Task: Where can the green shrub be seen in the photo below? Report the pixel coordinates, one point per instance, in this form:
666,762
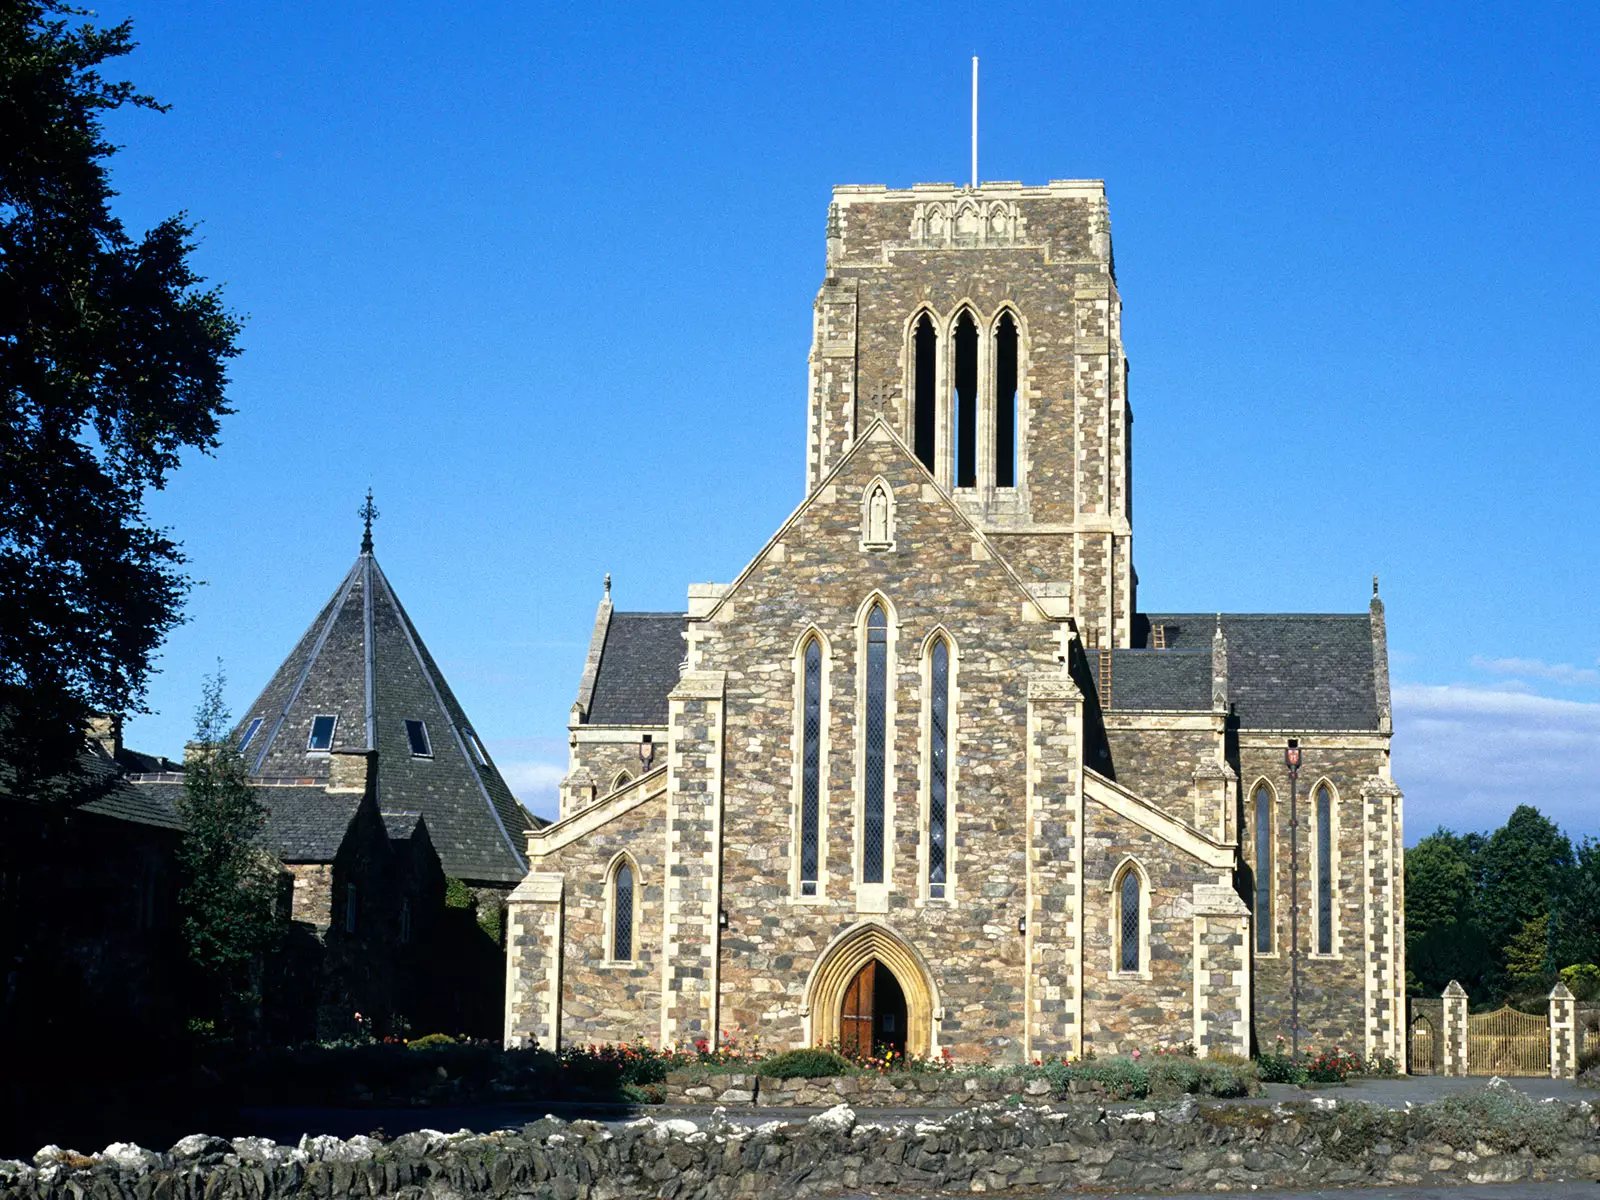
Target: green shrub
1582,980
1173,1075
1275,1066
806,1064
1334,1066
430,1041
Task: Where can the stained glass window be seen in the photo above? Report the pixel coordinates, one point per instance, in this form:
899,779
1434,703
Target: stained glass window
938,768
877,686
1128,951
1264,869
810,768
622,907
1324,870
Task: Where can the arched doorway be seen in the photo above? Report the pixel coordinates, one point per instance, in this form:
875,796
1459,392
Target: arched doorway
896,1007
872,1018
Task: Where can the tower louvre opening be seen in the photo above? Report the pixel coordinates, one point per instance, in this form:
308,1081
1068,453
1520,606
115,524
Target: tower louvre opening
966,401
925,370
1005,402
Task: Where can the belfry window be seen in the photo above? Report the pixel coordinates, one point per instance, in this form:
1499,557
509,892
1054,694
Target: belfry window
876,715
1129,920
938,767
1005,402
925,380
810,767
1263,906
966,414
1324,870
622,911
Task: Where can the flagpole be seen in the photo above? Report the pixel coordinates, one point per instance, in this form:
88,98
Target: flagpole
974,120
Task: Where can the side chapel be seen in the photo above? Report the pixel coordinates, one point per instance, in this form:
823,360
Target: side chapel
924,775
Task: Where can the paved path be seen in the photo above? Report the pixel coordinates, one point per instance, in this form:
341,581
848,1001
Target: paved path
1483,1191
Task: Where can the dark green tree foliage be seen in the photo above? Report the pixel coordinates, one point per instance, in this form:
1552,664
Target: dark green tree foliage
1577,917
112,362
1443,938
229,896
1523,870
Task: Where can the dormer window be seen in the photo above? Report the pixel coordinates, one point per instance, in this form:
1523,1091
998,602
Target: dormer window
417,736
250,732
322,726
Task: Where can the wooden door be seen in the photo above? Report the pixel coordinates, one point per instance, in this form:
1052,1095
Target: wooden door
855,1021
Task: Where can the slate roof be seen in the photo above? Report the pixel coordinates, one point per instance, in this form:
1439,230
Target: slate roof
363,662
1164,679
123,800
638,668
1285,670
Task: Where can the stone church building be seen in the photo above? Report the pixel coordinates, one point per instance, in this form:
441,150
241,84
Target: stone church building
924,775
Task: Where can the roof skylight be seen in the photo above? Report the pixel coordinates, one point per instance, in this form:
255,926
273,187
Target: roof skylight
417,735
322,726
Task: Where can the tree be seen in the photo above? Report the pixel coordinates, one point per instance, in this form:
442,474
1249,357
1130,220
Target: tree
229,896
1528,954
1443,938
1577,916
1525,866
112,361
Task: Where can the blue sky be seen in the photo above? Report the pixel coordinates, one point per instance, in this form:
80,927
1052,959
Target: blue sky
541,276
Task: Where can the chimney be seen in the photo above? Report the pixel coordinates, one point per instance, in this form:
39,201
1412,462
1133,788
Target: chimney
352,770
105,731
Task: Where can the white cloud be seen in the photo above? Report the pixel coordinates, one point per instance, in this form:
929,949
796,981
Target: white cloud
1467,756
1538,669
533,782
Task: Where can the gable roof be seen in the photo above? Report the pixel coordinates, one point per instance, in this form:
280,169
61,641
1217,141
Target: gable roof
1285,670
1161,679
363,662
638,667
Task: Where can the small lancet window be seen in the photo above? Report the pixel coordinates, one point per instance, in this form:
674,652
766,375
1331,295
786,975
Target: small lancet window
322,726
1005,402
1263,906
810,767
877,689
417,739
1324,870
250,732
925,380
622,912
938,768
966,406
622,780
1128,920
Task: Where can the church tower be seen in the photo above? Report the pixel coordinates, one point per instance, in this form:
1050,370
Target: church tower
984,325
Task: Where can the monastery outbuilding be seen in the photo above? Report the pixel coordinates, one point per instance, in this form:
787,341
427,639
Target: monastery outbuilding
924,775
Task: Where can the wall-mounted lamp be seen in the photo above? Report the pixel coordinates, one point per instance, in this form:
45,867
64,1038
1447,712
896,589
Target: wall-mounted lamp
722,918
1022,926
647,751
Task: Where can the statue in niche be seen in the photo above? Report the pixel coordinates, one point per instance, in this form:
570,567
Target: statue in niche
878,516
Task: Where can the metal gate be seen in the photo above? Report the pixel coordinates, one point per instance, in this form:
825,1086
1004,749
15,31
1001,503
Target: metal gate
1423,1052
1508,1042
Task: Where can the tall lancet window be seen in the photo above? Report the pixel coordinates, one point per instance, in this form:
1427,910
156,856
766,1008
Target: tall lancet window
1324,870
872,793
811,768
1128,920
966,406
622,912
1263,817
938,767
925,381
1005,402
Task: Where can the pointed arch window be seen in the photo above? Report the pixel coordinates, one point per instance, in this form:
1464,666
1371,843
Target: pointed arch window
877,673
624,909
1130,920
622,780
966,401
925,383
1324,818
938,767
810,766
1263,889
1005,402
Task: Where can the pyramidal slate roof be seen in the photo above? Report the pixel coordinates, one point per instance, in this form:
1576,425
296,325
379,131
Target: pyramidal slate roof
363,663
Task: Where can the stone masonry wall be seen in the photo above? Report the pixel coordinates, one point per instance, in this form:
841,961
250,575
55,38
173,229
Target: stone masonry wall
1125,1012
819,577
1332,988
1187,1148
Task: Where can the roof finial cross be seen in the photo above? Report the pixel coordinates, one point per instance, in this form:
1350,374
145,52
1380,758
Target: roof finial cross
368,515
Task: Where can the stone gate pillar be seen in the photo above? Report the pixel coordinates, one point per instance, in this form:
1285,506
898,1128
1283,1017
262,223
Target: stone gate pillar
1453,1037
534,914
1563,1033
693,880
1053,937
